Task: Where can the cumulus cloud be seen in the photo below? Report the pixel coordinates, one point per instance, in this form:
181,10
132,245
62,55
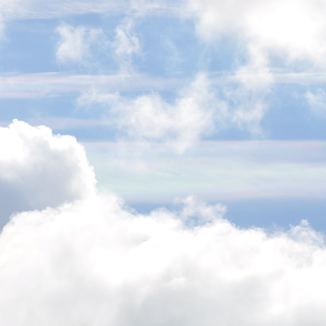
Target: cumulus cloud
39,169
76,43
96,262
282,27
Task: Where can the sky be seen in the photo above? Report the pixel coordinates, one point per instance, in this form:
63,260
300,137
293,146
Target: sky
162,162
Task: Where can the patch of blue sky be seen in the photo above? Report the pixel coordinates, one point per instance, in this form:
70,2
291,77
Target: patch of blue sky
289,117
271,214
29,47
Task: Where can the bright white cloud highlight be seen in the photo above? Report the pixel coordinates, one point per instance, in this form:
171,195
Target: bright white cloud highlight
39,169
76,43
95,263
296,29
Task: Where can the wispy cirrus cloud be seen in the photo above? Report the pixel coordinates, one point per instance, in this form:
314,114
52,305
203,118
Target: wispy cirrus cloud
38,85
212,170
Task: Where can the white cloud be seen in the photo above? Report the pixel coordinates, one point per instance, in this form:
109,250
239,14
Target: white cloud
38,85
195,112
287,28
77,42
126,44
255,75
272,34
95,263
317,102
39,169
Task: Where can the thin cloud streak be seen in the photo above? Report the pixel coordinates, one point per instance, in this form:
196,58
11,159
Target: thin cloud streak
40,85
212,170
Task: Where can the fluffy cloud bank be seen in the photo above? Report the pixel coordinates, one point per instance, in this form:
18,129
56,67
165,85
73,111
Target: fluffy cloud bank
39,169
295,29
95,262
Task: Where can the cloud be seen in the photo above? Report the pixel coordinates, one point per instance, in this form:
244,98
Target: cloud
199,110
292,30
76,43
212,170
316,101
39,169
23,9
8,9
268,35
40,85
94,262
11,10
126,44
151,118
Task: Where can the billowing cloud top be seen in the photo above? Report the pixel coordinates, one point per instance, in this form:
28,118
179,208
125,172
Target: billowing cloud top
94,262
39,169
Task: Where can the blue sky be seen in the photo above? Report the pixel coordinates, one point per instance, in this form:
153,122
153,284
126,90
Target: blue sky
121,77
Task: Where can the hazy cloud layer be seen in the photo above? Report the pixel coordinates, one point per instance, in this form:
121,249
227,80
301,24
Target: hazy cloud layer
212,170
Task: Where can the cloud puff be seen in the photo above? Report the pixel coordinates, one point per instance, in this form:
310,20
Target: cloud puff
76,42
198,110
39,169
194,113
295,29
126,44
